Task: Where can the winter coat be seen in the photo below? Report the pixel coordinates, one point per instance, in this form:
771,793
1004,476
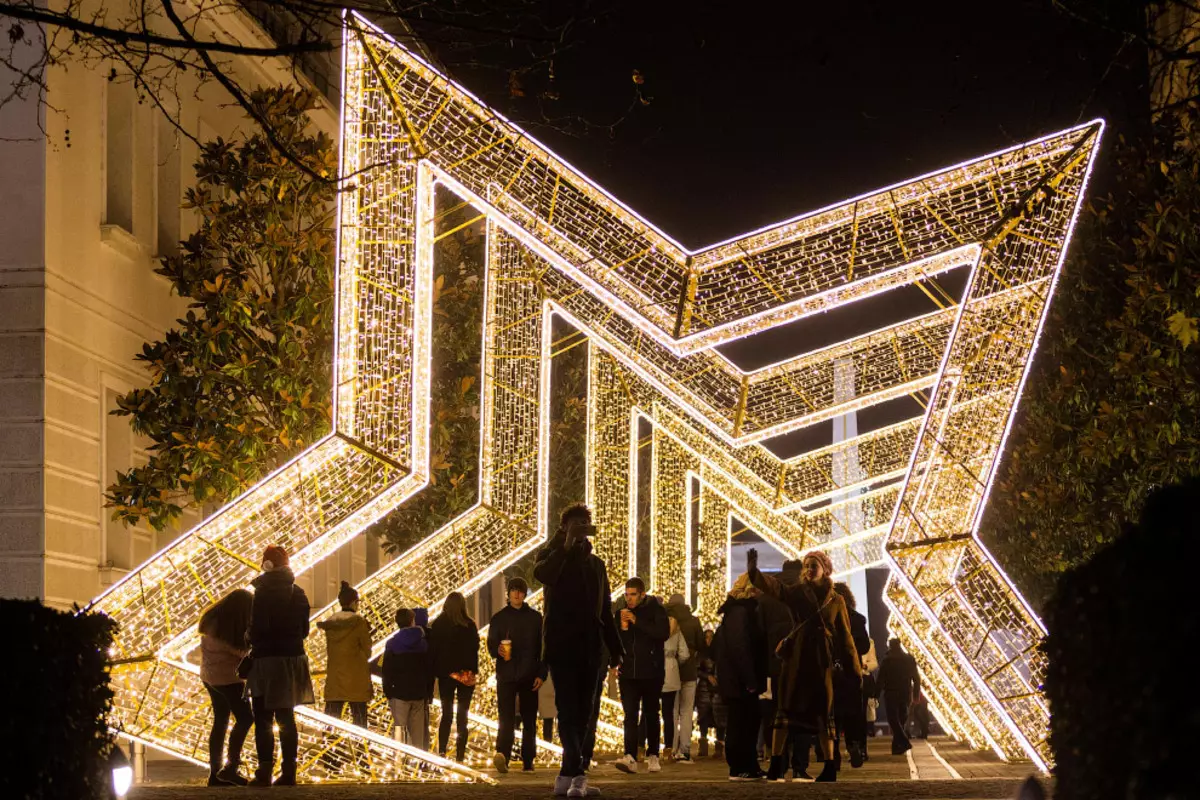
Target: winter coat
693,636
279,621
898,676
705,690
858,629
578,620
820,637
523,628
740,650
219,661
644,640
348,645
407,663
454,648
777,624
675,652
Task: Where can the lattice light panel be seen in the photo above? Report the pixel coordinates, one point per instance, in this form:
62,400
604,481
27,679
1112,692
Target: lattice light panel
654,312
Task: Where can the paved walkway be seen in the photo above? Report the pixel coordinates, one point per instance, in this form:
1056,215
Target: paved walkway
938,769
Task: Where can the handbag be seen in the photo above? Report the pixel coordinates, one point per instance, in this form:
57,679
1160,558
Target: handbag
244,666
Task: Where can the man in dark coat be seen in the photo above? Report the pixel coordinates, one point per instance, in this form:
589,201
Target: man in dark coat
515,641
693,635
847,690
777,624
900,681
578,624
740,653
644,629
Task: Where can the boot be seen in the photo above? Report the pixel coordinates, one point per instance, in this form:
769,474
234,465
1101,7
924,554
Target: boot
229,774
287,774
828,773
777,772
719,750
262,775
856,754
703,752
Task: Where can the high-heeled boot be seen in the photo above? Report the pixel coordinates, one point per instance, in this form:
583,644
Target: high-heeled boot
828,772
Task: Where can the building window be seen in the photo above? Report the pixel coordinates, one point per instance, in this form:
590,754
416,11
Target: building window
119,149
168,189
117,457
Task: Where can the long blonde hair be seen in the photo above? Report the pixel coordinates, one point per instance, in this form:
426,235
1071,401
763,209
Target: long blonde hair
455,610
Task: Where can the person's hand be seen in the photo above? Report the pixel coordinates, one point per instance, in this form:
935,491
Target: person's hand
537,684
752,561
574,537
712,679
627,617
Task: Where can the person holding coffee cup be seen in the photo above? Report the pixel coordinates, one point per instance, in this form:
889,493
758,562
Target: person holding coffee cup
515,641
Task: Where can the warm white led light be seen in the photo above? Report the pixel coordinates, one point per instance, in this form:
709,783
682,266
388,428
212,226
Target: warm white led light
653,313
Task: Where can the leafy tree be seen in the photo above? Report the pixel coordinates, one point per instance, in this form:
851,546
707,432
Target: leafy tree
243,382
1110,410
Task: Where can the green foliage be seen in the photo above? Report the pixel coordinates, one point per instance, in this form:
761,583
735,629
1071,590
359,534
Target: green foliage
54,731
243,382
1117,682
1110,410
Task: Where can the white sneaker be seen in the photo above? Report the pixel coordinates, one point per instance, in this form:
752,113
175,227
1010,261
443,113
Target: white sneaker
686,758
500,763
652,764
580,788
627,764
562,784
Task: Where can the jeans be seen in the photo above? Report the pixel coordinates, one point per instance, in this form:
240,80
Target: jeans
668,716
685,704
228,700
506,707
447,688
575,684
358,711
264,737
411,718
897,717
741,736
640,694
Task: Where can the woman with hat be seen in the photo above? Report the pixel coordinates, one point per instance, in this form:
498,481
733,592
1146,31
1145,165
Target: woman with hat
279,679
348,644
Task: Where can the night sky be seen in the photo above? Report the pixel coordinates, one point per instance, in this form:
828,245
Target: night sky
760,111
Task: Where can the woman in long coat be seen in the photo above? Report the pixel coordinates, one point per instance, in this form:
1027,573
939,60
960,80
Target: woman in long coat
821,638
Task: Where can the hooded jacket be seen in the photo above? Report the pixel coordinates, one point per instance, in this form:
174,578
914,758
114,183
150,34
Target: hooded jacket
279,621
644,639
407,662
348,644
523,627
675,651
740,650
578,621
693,636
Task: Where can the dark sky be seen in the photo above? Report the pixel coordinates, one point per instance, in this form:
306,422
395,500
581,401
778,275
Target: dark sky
762,110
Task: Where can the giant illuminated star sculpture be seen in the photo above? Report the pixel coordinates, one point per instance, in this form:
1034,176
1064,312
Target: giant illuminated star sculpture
654,312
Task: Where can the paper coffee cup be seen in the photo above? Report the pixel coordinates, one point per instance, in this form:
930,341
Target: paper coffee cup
506,648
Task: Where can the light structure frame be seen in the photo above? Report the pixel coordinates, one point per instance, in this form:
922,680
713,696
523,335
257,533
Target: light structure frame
612,275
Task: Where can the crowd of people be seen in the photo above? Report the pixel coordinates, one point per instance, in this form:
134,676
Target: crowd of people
787,673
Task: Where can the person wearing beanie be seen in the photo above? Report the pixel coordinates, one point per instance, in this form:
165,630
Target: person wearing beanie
821,638
279,678
515,642
348,649
685,702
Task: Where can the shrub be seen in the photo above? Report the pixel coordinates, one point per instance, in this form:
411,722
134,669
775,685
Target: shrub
1123,706
53,731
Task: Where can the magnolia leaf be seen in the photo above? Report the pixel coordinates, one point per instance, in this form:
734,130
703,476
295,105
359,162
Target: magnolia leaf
1183,328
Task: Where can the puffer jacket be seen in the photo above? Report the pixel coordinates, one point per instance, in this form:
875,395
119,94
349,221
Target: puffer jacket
407,662
279,622
675,652
348,644
644,639
740,650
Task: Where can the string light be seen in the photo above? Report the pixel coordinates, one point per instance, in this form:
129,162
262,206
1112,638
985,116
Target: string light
654,313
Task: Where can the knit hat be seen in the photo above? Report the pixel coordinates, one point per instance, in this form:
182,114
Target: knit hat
347,595
274,556
675,600
823,557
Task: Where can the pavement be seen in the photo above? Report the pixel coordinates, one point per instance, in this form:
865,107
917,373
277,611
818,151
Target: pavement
936,769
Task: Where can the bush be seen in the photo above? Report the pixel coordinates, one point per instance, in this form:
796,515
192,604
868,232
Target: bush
53,731
1122,699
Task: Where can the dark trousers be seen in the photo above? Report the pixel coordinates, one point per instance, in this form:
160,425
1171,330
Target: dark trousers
264,737
897,716
358,711
506,707
848,715
227,700
575,697
668,715
796,748
589,739
640,694
447,688
741,735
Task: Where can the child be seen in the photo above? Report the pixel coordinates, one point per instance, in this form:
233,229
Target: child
408,677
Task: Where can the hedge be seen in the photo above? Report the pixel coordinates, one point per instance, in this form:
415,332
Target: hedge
1121,686
53,731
